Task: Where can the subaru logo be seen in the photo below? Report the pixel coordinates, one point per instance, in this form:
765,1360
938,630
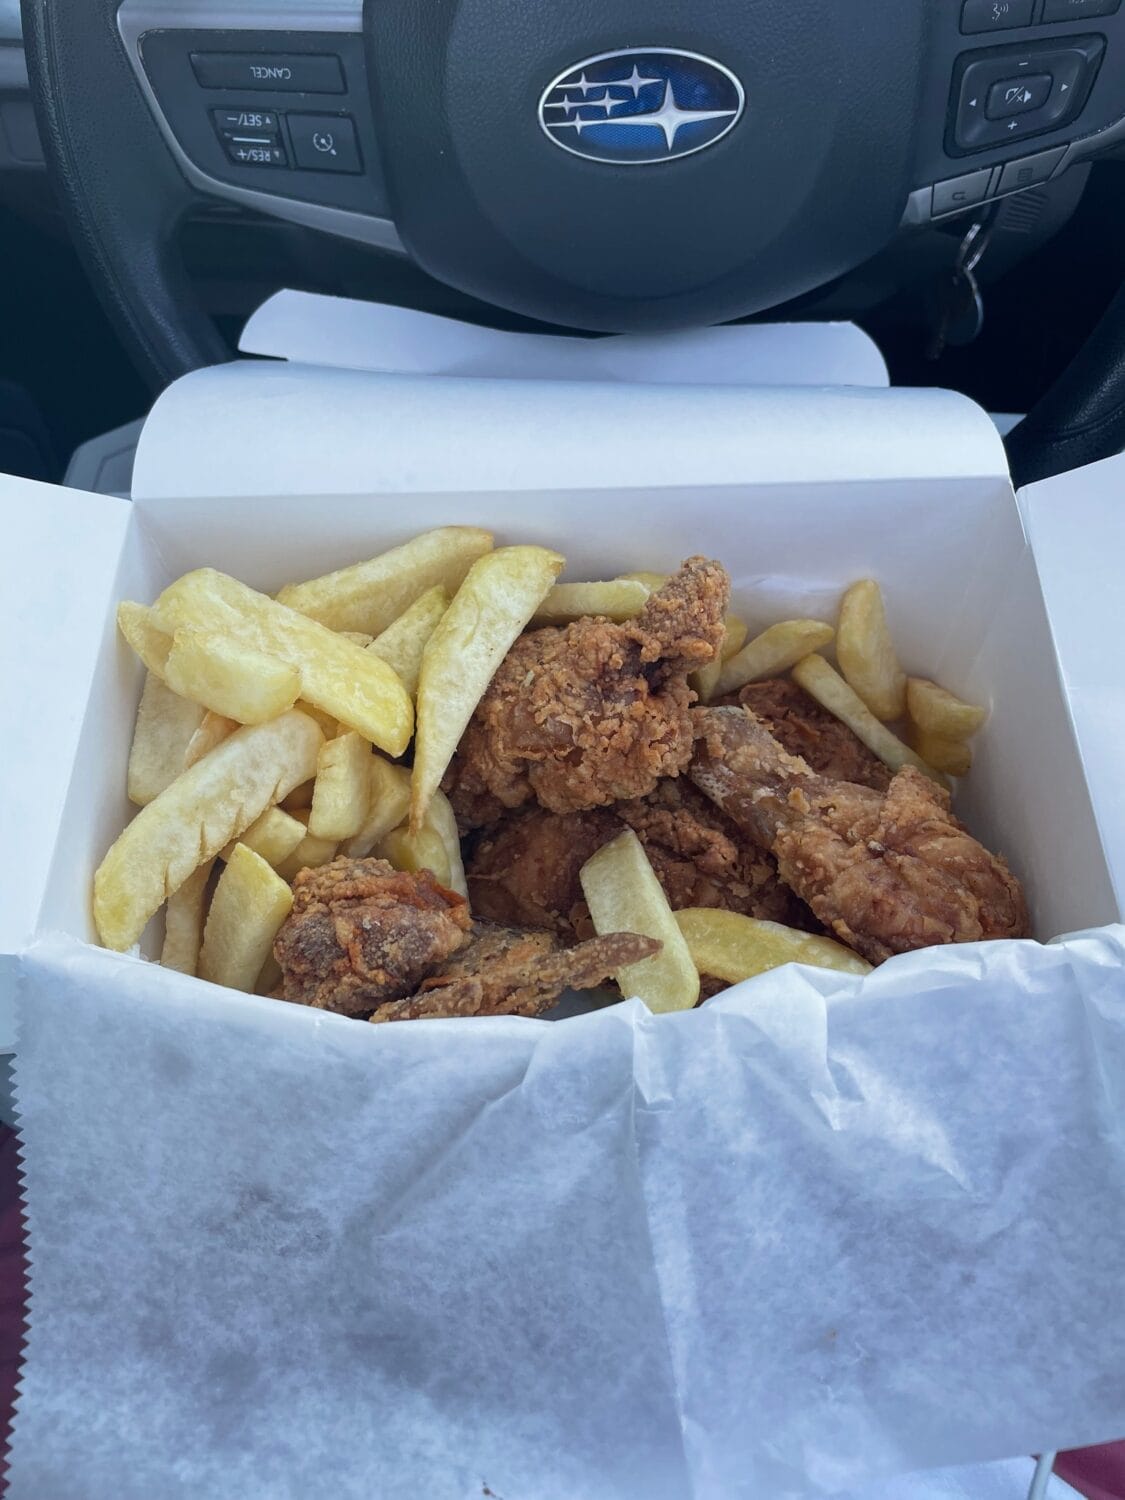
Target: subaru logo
641,105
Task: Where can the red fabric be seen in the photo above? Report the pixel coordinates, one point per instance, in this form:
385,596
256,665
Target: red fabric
1097,1473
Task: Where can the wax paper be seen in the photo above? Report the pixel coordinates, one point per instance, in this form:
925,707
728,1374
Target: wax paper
821,1231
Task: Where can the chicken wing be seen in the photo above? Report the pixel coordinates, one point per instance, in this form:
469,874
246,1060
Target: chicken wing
886,872
802,727
506,972
585,716
525,870
362,932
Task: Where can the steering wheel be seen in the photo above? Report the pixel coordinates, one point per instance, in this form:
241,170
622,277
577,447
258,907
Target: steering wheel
601,164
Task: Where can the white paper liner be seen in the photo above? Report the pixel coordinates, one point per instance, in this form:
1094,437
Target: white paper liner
820,1231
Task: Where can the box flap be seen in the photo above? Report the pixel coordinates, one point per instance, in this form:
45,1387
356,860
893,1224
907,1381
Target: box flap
353,335
1076,525
290,429
62,553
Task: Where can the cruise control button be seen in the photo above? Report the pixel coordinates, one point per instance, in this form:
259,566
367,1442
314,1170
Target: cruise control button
247,154
1015,96
325,143
282,72
245,119
1078,10
1030,170
995,15
961,192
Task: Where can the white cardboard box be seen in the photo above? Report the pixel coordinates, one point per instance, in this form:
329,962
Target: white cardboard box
821,1231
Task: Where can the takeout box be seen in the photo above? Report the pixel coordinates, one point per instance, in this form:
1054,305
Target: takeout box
821,1230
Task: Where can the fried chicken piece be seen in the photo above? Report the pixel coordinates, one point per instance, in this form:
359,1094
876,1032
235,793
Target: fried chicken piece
886,872
505,972
588,715
362,932
526,870
800,725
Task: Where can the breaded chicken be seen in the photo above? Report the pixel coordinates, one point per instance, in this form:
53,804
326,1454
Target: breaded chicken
362,932
506,972
801,726
887,873
594,713
526,870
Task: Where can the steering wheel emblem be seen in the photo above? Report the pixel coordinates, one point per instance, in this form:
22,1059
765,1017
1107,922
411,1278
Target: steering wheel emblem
641,105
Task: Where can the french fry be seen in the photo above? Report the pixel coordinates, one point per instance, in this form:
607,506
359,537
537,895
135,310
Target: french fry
617,599
213,730
939,712
137,625
388,804
442,820
249,905
274,836
866,652
357,637
270,977
191,820
228,678
706,680
731,947
368,596
423,850
500,594
165,725
337,676
652,581
328,722
402,643
772,652
342,790
309,854
822,682
183,922
944,754
624,895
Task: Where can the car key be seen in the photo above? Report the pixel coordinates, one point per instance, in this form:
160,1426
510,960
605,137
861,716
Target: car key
961,316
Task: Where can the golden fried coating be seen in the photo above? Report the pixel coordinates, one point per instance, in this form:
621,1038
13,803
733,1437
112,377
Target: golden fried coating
594,713
887,873
800,725
361,932
525,870
505,972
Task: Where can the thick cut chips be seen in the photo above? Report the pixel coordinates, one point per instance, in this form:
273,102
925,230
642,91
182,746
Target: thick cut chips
624,895
183,922
368,596
822,682
342,791
249,905
191,820
388,802
165,726
499,596
732,947
230,678
402,644
337,676
773,652
866,652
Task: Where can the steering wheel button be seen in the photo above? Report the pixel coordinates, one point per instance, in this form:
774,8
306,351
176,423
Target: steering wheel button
961,192
995,15
280,72
1030,170
1016,96
248,152
1078,10
257,120
325,143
